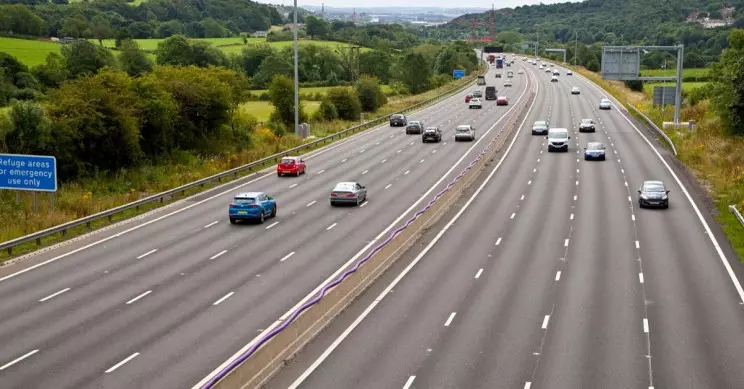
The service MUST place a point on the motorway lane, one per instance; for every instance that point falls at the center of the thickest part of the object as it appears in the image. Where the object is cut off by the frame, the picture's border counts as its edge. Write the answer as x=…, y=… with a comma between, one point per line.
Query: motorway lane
x=475, y=272
x=101, y=329
x=694, y=314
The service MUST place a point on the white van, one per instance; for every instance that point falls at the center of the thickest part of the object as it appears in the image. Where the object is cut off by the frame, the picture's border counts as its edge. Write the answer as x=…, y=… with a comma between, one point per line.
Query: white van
x=558, y=139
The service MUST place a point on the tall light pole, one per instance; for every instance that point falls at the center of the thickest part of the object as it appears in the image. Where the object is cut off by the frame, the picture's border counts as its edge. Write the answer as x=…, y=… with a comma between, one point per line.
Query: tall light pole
x=296, y=75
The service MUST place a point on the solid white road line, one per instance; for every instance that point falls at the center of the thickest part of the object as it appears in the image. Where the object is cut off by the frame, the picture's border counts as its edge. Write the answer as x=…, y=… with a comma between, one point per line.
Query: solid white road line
x=218, y=254
x=478, y=274
x=147, y=253
x=449, y=319
x=139, y=297
x=645, y=325
x=409, y=382
x=22, y=357
x=545, y=321
x=225, y=297
x=331, y=226
x=271, y=225
x=353, y=259
x=293, y=185
x=118, y=365
x=286, y=257
x=211, y=224
x=53, y=295
x=558, y=275
x=311, y=203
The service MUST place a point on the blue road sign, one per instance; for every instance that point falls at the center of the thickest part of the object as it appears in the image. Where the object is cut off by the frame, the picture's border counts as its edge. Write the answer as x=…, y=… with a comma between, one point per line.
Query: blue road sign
x=36, y=173
x=458, y=74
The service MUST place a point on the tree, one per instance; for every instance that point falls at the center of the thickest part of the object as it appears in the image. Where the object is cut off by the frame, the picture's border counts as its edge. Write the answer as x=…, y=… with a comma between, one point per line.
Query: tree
x=101, y=28
x=370, y=94
x=179, y=51
x=316, y=27
x=728, y=85
x=30, y=129
x=53, y=72
x=281, y=94
x=84, y=58
x=376, y=63
x=346, y=102
x=252, y=56
x=133, y=60
x=272, y=66
x=414, y=71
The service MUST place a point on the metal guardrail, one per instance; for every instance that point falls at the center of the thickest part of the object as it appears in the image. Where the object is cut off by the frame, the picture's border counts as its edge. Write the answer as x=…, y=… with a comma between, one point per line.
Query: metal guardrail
x=267, y=337
x=160, y=197
x=654, y=126
x=736, y=213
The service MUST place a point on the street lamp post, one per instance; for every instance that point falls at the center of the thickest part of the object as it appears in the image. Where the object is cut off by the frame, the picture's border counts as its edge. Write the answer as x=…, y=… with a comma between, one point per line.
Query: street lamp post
x=296, y=76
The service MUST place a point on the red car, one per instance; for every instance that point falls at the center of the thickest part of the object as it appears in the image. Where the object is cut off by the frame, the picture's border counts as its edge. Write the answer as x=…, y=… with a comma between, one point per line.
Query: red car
x=502, y=100
x=468, y=98
x=291, y=165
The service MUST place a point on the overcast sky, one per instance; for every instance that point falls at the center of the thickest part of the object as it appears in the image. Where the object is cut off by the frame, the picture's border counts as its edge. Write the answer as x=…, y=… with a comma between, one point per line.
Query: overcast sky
x=414, y=3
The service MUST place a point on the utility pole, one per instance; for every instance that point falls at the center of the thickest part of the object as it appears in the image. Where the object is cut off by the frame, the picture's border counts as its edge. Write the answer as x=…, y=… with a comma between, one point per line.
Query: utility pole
x=296, y=75
x=576, y=49
x=537, y=43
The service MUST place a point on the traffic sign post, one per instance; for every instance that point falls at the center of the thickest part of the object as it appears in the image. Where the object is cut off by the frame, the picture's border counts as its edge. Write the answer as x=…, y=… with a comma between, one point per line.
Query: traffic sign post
x=36, y=173
x=558, y=51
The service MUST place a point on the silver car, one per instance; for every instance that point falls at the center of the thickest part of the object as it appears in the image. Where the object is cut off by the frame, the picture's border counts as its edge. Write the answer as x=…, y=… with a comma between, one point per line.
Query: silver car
x=605, y=104
x=464, y=132
x=475, y=103
x=540, y=128
x=348, y=193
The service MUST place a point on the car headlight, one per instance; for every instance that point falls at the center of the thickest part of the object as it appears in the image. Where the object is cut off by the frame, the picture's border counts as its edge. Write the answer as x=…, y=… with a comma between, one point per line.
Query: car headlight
x=664, y=197
x=643, y=196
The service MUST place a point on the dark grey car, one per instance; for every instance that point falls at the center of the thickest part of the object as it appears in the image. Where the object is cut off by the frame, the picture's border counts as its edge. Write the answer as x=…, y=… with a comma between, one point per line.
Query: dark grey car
x=653, y=194
x=586, y=125
x=432, y=134
x=415, y=128
x=398, y=120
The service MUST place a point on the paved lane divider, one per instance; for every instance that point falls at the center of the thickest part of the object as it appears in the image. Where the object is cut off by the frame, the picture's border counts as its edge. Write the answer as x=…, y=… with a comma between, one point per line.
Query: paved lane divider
x=266, y=356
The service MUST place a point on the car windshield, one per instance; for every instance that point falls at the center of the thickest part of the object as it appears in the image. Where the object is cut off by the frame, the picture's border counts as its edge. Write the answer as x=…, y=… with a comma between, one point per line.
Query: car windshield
x=586, y=121
x=288, y=161
x=605, y=101
x=463, y=129
x=653, y=187
x=431, y=129
x=413, y=124
x=594, y=146
x=541, y=124
x=397, y=116
x=559, y=134
x=244, y=200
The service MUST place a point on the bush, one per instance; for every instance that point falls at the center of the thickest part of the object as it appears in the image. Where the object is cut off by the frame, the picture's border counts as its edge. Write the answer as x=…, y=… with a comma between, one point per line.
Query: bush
x=326, y=111
x=369, y=93
x=634, y=85
x=346, y=102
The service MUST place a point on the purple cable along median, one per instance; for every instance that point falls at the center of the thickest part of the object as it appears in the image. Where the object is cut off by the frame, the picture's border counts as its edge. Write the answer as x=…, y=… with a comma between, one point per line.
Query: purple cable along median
x=347, y=273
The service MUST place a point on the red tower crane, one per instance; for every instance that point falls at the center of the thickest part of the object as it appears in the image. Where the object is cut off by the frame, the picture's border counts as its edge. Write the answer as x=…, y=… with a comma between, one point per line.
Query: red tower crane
x=475, y=23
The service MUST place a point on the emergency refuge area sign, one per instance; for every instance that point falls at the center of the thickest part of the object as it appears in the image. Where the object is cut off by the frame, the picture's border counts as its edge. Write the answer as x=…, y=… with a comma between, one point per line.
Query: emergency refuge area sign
x=37, y=173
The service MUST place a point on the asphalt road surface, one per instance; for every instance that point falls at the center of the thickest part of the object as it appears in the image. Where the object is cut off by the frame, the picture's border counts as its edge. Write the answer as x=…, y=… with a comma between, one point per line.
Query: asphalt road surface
x=551, y=277
x=162, y=301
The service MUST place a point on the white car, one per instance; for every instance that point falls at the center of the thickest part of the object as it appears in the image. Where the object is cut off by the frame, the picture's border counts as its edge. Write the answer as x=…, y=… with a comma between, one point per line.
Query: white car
x=575, y=90
x=542, y=66
x=556, y=72
x=475, y=103
x=569, y=73
x=547, y=70
x=558, y=139
x=605, y=104
x=507, y=84
x=464, y=132
x=553, y=79
x=520, y=71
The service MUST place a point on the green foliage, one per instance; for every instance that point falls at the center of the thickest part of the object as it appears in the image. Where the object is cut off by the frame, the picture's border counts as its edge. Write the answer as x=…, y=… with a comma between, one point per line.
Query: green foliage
x=346, y=102
x=634, y=85
x=316, y=27
x=370, y=93
x=327, y=111
x=281, y=93
x=83, y=58
x=133, y=60
x=52, y=73
x=728, y=85
x=179, y=51
x=30, y=131
x=274, y=65
x=376, y=63
x=414, y=71
x=252, y=57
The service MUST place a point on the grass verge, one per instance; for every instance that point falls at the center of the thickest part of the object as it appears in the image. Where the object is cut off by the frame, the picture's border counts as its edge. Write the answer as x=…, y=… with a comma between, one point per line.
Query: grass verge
x=87, y=197
x=714, y=158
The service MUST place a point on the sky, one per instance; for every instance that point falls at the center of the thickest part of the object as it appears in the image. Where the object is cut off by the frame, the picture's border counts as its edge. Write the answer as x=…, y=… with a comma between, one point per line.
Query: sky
x=414, y=3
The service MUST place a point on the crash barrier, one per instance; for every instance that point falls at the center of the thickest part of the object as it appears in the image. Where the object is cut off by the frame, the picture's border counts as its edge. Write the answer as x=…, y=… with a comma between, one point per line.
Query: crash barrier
x=256, y=165
x=267, y=355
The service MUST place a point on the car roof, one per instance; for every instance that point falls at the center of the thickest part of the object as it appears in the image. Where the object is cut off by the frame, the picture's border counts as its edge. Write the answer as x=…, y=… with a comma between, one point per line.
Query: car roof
x=653, y=182
x=290, y=157
x=414, y=122
x=587, y=120
x=541, y=122
x=594, y=144
x=248, y=194
x=431, y=128
x=345, y=184
x=557, y=129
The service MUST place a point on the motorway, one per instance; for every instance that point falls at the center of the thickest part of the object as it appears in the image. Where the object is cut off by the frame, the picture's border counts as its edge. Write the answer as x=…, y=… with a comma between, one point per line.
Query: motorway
x=548, y=276
x=163, y=300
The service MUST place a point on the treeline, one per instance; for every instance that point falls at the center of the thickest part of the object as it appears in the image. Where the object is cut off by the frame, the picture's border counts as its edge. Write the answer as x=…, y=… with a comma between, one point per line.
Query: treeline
x=619, y=22
x=150, y=19
x=98, y=113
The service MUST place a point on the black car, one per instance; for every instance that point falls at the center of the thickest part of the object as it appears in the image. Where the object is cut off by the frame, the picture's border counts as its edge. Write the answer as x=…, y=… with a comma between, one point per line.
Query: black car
x=398, y=120
x=415, y=128
x=586, y=125
x=653, y=194
x=431, y=134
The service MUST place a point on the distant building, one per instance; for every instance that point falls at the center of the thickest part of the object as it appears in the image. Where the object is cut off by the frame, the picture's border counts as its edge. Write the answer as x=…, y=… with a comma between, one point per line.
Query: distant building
x=260, y=34
x=727, y=18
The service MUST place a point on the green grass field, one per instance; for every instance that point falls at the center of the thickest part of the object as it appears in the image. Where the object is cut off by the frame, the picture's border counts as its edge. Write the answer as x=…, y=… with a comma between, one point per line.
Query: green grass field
x=30, y=52
x=648, y=88
x=316, y=89
x=692, y=72
x=261, y=110
x=231, y=45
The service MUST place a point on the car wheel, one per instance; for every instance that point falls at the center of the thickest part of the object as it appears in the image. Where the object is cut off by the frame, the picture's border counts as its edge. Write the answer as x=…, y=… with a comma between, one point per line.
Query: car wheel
x=640, y=205
x=262, y=218
x=273, y=212
x=298, y=173
x=278, y=174
x=603, y=158
x=550, y=148
x=333, y=204
x=666, y=206
x=233, y=221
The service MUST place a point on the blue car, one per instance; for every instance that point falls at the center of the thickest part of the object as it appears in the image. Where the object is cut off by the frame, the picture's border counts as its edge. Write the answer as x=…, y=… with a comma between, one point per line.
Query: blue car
x=252, y=206
x=594, y=150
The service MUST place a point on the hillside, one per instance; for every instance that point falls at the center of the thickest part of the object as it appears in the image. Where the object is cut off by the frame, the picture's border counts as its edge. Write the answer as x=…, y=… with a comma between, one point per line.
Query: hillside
x=613, y=22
